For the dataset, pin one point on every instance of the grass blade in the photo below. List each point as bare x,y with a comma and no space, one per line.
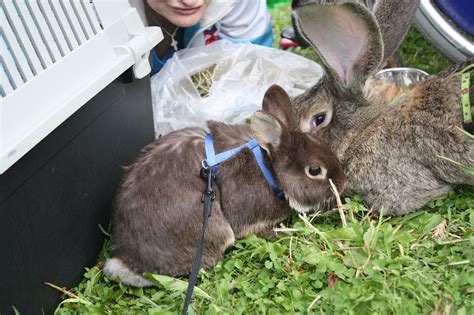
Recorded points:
174,284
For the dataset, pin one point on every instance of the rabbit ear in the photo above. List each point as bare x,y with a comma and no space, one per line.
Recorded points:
266,130
344,34
277,102
394,19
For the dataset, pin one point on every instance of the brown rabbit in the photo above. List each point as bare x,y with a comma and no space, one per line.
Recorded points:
390,149
157,215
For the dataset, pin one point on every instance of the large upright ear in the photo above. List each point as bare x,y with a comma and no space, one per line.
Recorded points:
394,19
266,130
344,34
277,102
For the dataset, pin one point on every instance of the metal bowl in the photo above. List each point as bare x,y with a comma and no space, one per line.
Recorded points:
400,76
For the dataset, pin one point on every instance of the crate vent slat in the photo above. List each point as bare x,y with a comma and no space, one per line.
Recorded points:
63,23
34,34
9,67
44,30
53,26
37,33
25,37
82,19
91,16
14,48
73,22
56,55
21,36
8,83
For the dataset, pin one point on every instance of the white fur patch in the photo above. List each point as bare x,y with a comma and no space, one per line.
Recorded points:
229,242
255,228
114,268
299,207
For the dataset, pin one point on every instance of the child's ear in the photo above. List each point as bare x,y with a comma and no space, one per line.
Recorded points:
277,103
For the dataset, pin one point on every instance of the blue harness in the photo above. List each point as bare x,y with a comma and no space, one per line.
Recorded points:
212,160
208,171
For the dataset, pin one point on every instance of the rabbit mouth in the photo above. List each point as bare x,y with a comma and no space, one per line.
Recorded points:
326,205
298,207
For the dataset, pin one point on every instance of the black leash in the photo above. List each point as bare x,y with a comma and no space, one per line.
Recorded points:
208,197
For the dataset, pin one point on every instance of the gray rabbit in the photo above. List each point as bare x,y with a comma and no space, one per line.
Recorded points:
157,214
389,138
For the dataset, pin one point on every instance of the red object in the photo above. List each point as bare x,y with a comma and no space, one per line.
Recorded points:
287,43
210,36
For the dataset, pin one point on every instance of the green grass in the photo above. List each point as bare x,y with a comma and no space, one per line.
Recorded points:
417,264
421,263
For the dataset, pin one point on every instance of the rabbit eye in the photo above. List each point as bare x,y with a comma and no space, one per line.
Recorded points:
315,172
318,119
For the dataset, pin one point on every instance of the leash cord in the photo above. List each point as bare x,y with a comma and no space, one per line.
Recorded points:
208,197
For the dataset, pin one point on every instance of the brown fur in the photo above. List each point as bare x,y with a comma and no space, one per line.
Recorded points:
391,156
157,213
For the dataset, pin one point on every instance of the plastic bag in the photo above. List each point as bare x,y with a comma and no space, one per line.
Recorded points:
242,74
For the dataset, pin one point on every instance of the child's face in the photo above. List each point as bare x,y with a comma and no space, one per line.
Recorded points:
180,12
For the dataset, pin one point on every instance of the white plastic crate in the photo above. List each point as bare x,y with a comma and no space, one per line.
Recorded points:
55,56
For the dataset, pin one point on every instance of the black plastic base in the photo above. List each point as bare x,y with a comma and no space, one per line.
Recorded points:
53,200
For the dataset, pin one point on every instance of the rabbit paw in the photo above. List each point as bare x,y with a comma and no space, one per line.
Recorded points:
268,234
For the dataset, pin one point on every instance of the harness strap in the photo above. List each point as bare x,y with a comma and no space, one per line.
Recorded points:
257,153
394,102
465,97
212,160
210,153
